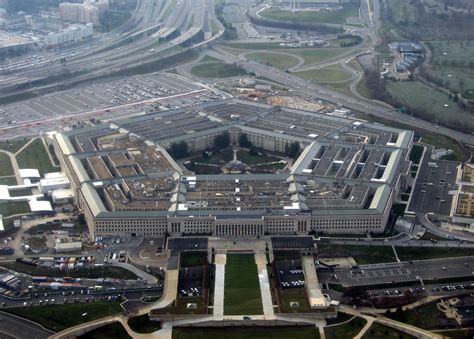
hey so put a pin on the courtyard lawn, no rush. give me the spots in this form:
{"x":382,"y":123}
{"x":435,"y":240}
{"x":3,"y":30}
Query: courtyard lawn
{"x":241,"y":288}
{"x":289,"y":295}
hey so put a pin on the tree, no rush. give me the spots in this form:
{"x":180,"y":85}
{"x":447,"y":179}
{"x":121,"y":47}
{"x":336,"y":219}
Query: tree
{"x":244,"y":141}
{"x":222,"y":141}
{"x":293,"y":149}
{"x":179,"y":150}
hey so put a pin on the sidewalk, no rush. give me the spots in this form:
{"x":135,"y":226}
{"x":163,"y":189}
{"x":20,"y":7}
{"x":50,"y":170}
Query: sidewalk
{"x":261,"y":261}
{"x":221,"y":260}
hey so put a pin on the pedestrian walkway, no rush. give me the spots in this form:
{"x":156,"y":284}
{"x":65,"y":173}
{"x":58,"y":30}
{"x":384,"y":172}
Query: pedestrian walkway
{"x":220,"y":261}
{"x":261,"y":261}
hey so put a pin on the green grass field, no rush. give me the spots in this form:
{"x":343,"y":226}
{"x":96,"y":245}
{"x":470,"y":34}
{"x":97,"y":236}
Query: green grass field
{"x":431,"y":102}
{"x":114,"y":330}
{"x":381,"y":331}
{"x":92,"y":273}
{"x":242,"y":289}
{"x":36,"y":156}
{"x":192,"y":259}
{"x":143,"y":324}
{"x":180,"y":307}
{"x":310,"y":55}
{"x":458,"y":334}
{"x":331,"y":17}
{"x":247,"y":333}
{"x":418,"y":253}
{"x":216,"y":70}
{"x":12,"y":208}
{"x":8,"y":181}
{"x":362,"y":254}
{"x":426,"y":316}
{"x":325,"y":75}
{"x":60,"y":317}
{"x":346,"y":330}
{"x":290,"y":295}
{"x":5,"y":165}
{"x":13,"y":145}
{"x":278,"y":60}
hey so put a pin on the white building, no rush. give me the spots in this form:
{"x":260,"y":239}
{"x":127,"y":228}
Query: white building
{"x":73,"y":33}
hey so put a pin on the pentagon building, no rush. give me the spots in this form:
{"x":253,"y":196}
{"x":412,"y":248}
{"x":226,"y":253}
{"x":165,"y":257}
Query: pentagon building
{"x":345,"y":180}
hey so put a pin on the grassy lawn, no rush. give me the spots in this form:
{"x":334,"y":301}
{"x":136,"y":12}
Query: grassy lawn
{"x":426,"y":316}
{"x":254,"y":45}
{"x":347,"y":330}
{"x":242,"y":289}
{"x":8,"y":181}
{"x":60,"y":317}
{"x":143,"y":324}
{"x":281,"y":61}
{"x":332,"y":17}
{"x":416,"y":153}
{"x":420,"y":97}
{"x":458,"y":334}
{"x":5,"y":165}
{"x":216,"y":70}
{"x":316,"y":55}
{"x":310,"y":55}
{"x":416,"y":253}
{"x":114,"y":330}
{"x":92,"y":273}
{"x":247,"y":333}
{"x":250,"y":159}
{"x":294,"y":294}
{"x":12,"y":208}
{"x":13,"y":145}
{"x":325,"y":75}
{"x":381,"y":331}
{"x":193,"y":259}
{"x":36,"y":156}
{"x":219,"y":158}
{"x":181,"y":306}
{"x":450,"y":63}
{"x":362,"y":254}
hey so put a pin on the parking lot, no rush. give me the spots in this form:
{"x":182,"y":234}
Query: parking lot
{"x":392,"y":273}
{"x":190,"y":281}
{"x":431,"y":193}
{"x":107,"y":99}
{"x":290,"y":273}
{"x":187,"y":244}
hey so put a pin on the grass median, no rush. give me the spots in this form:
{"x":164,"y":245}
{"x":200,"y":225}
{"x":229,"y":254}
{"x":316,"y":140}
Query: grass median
{"x":241,"y":287}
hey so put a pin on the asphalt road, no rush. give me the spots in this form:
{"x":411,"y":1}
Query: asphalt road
{"x":16,"y":327}
{"x":308,"y":89}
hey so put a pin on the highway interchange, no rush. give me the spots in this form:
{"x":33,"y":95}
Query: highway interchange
{"x":157,"y":29}
{"x":138,"y":42}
